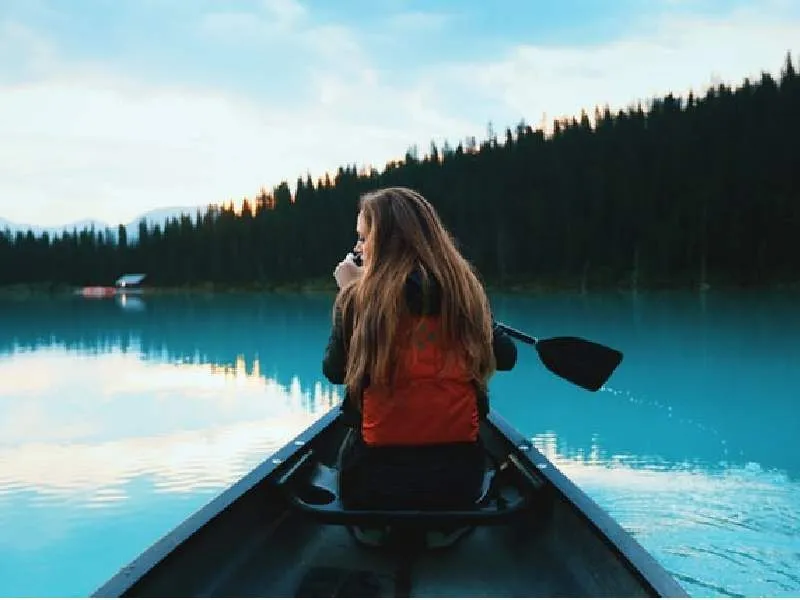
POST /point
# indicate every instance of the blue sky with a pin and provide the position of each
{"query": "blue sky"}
(109, 108)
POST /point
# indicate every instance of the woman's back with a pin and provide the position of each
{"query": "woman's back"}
(414, 343)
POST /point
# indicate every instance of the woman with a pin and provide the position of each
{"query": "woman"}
(414, 343)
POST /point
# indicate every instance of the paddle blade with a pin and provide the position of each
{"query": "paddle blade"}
(584, 363)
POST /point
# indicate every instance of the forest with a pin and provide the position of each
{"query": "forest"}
(684, 192)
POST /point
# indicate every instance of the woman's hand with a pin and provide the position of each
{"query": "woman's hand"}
(347, 271)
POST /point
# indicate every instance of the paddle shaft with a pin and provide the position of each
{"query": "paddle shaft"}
(524, 337)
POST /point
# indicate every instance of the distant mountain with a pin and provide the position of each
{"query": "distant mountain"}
(161, 215)
(158, 216)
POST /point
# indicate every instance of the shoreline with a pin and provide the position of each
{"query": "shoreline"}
(530, 288)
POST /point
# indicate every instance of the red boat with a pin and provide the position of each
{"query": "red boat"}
(98, 291)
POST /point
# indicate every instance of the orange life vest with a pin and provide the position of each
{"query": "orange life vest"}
(433, 399)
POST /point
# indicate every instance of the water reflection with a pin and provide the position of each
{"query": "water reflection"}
(107, 419)
(130, 303)
(277, 331)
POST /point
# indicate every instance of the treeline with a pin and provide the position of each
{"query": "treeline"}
(683, 192)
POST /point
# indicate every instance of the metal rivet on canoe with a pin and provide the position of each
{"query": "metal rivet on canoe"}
(541, 466)
(524, 447)
(276, 461)
(299, 442)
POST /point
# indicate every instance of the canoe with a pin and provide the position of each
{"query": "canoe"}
(281, 532)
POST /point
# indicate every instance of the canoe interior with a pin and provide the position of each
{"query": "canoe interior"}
(250, 541)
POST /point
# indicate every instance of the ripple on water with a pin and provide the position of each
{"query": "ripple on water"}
(706, 527)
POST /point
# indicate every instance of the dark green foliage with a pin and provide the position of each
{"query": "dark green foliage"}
(681, 192)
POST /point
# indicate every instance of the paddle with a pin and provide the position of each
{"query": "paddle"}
(584, 363)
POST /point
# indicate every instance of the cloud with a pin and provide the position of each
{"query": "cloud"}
(335, 45)
(23, 53)
(114, 146)
(237, 25)
(284, 31)
(285, 11)
(671, 53)
(84, 141)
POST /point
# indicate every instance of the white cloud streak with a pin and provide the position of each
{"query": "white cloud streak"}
(185, 426)
(674, 54)
(285, 11)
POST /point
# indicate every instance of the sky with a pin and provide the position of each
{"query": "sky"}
(111, 108)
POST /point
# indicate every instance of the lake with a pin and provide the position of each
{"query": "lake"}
(120, 417)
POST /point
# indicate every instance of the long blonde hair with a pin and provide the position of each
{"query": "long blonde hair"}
(406, 234)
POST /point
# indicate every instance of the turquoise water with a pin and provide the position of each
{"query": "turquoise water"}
(118, 419)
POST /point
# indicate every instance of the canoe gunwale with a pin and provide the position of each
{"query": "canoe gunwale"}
(650, 572)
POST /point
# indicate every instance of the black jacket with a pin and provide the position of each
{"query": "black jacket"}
(422, 302)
